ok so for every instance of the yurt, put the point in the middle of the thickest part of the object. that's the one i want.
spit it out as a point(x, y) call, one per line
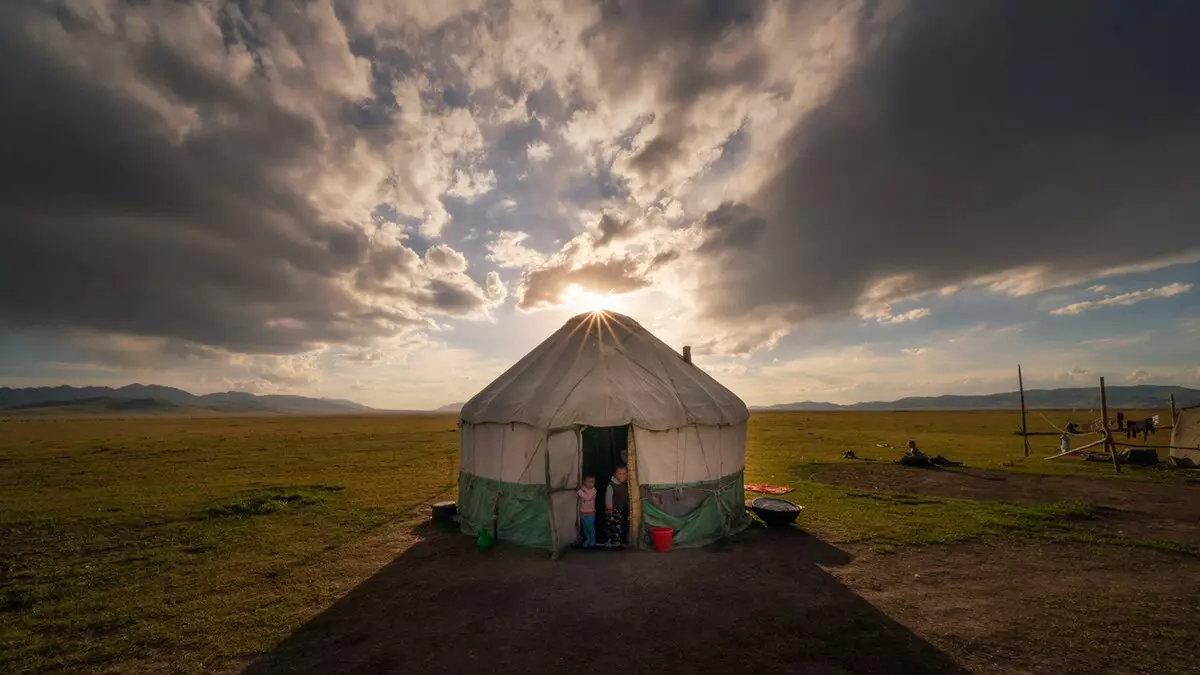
point(599, 393)
point(1185, 438)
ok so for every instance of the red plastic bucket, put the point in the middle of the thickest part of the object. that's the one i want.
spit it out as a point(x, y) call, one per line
point(662, 538)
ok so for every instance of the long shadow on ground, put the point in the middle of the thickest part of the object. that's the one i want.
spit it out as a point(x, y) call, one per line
point(759, 602)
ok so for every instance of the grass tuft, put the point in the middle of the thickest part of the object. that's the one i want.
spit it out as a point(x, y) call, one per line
point(264, 504)
point(1167, 546)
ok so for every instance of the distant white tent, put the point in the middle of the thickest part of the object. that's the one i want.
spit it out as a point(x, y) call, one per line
point(1186, 434)
point(571, 406)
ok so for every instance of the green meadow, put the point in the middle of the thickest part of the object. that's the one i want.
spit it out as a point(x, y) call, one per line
point(179, 544)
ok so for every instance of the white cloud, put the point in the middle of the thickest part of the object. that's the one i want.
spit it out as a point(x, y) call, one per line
point(910, 315)
point(877, 300)
point(1140, 377)
point(1124, 299)
point(538, 151)
point(496, 290)
point(1035, 279)
point(509, 250)
point(1115, 342)
point(443, 257)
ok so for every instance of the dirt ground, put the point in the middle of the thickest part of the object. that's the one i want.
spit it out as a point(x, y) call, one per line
point(1138, 510)
point(766, 601)
point(1039, 607)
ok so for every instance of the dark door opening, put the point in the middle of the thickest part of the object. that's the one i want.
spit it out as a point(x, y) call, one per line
point(604, 449)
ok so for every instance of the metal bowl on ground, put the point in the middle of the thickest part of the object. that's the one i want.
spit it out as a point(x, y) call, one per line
point(444, 512)
point(775, 512)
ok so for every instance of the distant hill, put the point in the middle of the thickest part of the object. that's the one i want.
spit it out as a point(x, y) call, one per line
point(153, 398)
point(450, 408)
point(1139, 397)
point(102, 405)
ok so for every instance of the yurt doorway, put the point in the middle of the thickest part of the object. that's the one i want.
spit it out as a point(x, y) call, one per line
point(604, 449)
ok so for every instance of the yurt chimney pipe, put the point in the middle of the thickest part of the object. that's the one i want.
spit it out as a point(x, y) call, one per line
point(687, 353)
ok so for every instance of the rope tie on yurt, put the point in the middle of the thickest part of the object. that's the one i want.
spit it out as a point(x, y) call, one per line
point(699, 439)
point(533, 455)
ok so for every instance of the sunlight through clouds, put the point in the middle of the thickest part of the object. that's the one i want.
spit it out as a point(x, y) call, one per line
point(338, 195)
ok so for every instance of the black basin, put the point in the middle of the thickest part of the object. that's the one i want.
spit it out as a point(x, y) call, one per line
point(775, 512)
point(444, 511)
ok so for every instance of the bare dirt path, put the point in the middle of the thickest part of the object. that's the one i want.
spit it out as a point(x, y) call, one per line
point(1031, 606)
point(777, 602)
point(1136, 509)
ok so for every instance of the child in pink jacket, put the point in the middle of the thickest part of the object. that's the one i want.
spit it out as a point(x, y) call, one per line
point(587, 511)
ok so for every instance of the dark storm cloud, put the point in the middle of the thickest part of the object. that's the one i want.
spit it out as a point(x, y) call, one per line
point(613, 229)
point(972, 138)
point(672, 42)
point(730, 226)
point(111, 219)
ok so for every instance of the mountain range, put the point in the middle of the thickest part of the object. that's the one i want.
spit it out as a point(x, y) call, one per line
point(1138, 397)
point(152, 398)
point(148, 398)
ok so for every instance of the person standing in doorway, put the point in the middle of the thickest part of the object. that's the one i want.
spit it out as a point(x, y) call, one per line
point(587, 511)
point(616, 512)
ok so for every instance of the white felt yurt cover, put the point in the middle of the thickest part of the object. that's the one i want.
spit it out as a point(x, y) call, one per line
point(603, 369)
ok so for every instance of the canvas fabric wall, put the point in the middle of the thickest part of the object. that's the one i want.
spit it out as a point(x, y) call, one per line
point(690, 454)
point(524, 516)
point(700, 513)
point(1186, 434)
point(694, 474)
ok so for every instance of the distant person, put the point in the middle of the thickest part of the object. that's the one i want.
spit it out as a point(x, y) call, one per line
point(1064, 443)
point(915, 453)
point(1072, 428)
point(587, 511)
point(914, 457)
point(616, 509)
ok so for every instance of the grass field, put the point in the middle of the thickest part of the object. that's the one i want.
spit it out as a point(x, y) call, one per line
point(177, 544)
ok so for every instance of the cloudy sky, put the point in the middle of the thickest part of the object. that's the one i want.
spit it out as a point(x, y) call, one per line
point(393, 200)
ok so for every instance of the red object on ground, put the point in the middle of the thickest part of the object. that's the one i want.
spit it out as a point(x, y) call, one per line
point(768, 489)
point(662, 538)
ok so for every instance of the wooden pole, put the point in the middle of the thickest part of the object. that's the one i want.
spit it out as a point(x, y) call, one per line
point(1108, 439)
point(1173, 413)
point(496, 518)
point(1024, 428)
point(635, 493)
point(1156, 447)
point(1079, 449)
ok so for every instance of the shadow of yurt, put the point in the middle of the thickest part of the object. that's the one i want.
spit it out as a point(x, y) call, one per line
point(759, 601)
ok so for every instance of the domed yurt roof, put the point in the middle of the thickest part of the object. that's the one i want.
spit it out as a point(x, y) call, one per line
point(604, 369)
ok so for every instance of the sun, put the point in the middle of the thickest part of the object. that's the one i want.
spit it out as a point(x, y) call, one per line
point(580, 299)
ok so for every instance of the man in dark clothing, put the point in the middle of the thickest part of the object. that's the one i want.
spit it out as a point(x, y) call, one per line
point(914, 457)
